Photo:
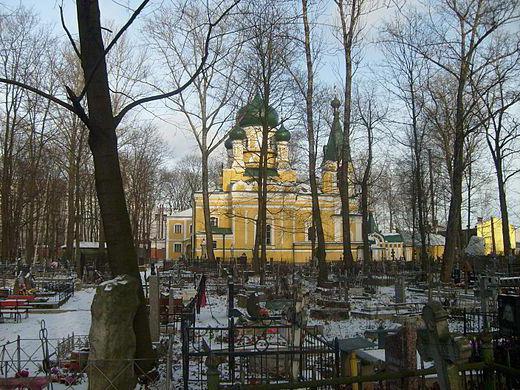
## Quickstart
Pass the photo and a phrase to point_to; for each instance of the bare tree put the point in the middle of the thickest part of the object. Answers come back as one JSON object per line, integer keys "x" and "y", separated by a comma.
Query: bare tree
{"x": 408, "y": 74}
{"x": 464, "y": 29}
{"x": 368, "y": 115}
{"x": 206, "y": 104}
{"x": 350, "y": 12}
{"x": 268, "y": 47}
{"x": 99, "y": 118}
{"x": 308, "y": 93}
{"x": 502, "y": 130}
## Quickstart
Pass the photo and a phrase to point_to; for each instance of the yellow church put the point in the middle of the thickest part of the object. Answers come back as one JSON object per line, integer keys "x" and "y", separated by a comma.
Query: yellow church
{"x": 234, "y": 208}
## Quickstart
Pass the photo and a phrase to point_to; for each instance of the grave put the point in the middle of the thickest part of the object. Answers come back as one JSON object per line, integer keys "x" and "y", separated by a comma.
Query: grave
{"x": 401, "y": 354}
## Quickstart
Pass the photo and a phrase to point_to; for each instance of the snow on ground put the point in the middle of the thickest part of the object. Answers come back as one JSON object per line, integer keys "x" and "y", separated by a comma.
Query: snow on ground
{"x": 72, "y": 317}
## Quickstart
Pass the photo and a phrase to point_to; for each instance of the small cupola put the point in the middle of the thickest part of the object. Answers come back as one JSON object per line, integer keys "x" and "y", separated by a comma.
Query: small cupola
{"x": 282, "y": 134}
{"x": 237, "y": 133}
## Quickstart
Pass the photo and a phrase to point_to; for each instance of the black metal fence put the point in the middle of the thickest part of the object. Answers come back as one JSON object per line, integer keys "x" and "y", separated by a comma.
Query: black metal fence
{"x": 254, "y": 354}
{"x": 472, "y": 321}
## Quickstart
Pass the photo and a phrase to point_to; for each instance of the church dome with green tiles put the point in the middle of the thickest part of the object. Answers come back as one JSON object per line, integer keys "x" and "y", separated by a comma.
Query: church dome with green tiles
{"x": 237, "y": 133}
{"x": 282, "y": 134}
{"x": 332, "y": 151}
{"x": 253, "y": 114}
{"x": 228, "y": 144}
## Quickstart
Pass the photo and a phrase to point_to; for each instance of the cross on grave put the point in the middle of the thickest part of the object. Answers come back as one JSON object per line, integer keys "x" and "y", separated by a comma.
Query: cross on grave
{"x": 400, "y": 290}
{"x": 297, "y": 316}
{"x": 488, "y": 293}
{"x": 436, "y": 343}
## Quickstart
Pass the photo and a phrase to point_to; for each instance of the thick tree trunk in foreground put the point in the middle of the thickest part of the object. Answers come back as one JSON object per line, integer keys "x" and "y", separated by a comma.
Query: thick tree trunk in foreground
{"x": 454, "y": 220}
{"x": 103, "y": 144}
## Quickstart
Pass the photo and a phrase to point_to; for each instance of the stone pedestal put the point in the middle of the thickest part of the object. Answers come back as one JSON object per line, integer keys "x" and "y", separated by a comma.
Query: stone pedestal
{"x": 153, "y": 297}
{"x": 112, "y": 337}
{"x": 400, "y": 290}
{"x": 401, "y": 354}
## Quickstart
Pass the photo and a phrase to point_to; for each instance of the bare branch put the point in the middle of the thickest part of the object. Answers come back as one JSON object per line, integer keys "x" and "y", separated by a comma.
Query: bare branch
{"x": 69, "y": 35}
{"x": 39, "y": 92}
{"x": 200, "y": 68}
{"x": 111, "y": 44}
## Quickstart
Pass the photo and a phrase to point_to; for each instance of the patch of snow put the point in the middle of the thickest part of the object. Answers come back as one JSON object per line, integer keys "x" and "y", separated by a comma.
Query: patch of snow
{"x": 72, "y": 317}
{"x": 118, "y": 280}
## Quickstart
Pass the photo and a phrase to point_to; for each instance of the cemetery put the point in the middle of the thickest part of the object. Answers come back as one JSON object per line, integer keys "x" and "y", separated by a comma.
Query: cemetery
{"x": 217, "y": 327}
{"x": 259, "y": 194}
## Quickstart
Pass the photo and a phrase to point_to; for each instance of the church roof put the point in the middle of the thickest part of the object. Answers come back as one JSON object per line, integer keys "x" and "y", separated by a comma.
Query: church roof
{"x": 332, "y": 151}
{"x": 282, "y": 134}
{"x": 252, "y": 114}
{"x": 237, "y": 133}
{"x": 183, "y": 213}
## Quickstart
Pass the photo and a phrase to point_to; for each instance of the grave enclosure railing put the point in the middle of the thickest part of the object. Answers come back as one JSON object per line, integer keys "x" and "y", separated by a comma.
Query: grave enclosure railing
{"x": 472, "y": 375}
{"x": 47, "y": 363}
{"x": 64, "y": 288}
{"x": 473, "y": 321}
{"x": 267, "y": 353}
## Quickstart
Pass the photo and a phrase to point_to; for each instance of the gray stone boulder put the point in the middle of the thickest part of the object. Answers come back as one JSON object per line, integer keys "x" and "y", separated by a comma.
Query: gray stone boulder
{"x": 112, "y": 337}
{"x": 476, "y": 246}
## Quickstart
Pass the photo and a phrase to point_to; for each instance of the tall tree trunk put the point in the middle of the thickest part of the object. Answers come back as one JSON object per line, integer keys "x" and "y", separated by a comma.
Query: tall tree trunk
{"x": 317, "y": 225}
{"x": 504, "y": 214}
{"x": 71, "y": 211}
{"x": 29, "y": 238}
{"x": 109, "y": 185}
{"x": 365, "y": 182}
{"x": 263, "y": 172}
{"x": 365, "y": 225}
{"x": 205, "y": 205}
{"x": 454, "y": 221}
{"x": 421, "y": 202}
{"x": 6, "y": 190}
{"x": 343, "y": 166}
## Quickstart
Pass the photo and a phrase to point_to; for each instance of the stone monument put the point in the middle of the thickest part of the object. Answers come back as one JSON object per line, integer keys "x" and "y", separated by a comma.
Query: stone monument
{"x": 112, "y": 337}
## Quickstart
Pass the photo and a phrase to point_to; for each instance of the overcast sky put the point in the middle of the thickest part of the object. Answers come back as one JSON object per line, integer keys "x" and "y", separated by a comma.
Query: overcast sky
{"x": 180, "y": 142}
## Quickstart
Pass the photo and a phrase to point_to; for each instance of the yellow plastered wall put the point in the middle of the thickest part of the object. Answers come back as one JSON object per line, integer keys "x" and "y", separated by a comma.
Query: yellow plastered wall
{"x": 289, "y": 215}
{"x": 491, "y": 230}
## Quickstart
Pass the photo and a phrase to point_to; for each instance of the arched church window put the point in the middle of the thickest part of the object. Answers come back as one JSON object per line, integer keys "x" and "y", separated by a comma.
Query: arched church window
{"x": 268, "y": 234}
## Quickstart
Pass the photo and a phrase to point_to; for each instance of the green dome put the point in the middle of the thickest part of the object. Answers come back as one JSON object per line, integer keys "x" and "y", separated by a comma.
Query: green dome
{"x": 253, "y": 114}
{"x": 282, "y": 134}
{"x": 229, "y": 143}
{"x": 237, "y": 133}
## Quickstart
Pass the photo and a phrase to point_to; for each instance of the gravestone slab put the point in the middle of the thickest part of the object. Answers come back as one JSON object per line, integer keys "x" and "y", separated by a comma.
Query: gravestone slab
{"x": 112, "y": 337}
{"x": 401, "y": 354}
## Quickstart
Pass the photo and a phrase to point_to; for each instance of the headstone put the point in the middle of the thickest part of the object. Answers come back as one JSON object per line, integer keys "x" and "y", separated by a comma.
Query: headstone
{"x": 153, "y": 296}
{"x": 436, "y": 343}
{"x": 509, "y": 314}
{"x": 400, "y": 290}
{"x": 112, "y": 337}
{"x": 401, "y": 354}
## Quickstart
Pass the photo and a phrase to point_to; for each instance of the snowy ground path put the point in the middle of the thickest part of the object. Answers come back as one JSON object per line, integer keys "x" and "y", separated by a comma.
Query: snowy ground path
{"x": 72, "y": 317}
